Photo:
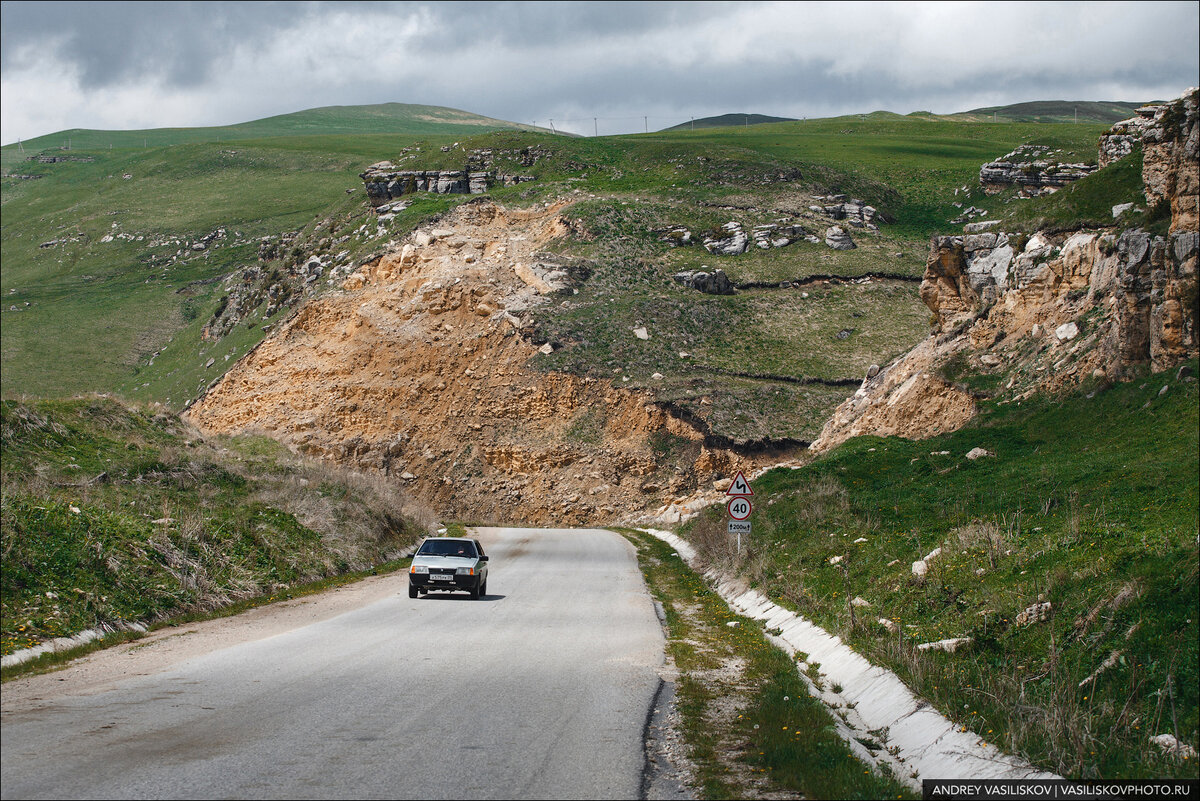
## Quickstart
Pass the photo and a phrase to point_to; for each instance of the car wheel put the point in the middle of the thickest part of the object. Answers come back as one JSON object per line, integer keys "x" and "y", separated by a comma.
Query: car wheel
{"x": 412, "y": 591}
{"x": 474, "y": 591}
{"x": 483, "y": 589}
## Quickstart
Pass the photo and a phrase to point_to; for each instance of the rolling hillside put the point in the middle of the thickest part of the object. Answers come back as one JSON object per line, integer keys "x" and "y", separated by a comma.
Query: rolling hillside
{"x": 726, "y": 120}
{"x": 404, "y": 119}
{"x": 1085, "y": 111}
{"x": 111, "y": 265}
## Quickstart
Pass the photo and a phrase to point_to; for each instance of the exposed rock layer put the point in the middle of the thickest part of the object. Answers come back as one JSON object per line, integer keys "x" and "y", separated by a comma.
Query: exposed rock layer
{"x": 1031, "y": 171}
{"x": 1050, "y": 311}
{"x": 384, "y": 182}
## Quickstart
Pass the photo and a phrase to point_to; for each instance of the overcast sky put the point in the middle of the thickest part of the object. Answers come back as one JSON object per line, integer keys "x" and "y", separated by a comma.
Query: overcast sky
{"x": 143, "y": 65}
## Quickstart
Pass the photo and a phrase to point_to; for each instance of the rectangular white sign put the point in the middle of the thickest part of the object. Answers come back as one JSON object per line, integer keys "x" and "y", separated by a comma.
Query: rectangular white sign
{"x": 739, "y": 526}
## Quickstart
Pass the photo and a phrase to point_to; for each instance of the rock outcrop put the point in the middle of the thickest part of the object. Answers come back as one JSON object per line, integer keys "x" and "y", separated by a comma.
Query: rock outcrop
{"x": 1169, "y": 160}
{"x": 1120, "y": 140}
{"x": 731, "y": 242}
{"x": 385, "y": 182}
{"x": 714, "y": 283}
{"x": 1031, "y": 171}
{"x": 1047, "y": 312}
{"x": 837, "y": 238}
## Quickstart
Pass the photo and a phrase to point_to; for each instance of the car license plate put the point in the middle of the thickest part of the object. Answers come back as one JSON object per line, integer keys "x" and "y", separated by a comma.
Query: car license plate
{"x": 436, "y": 577}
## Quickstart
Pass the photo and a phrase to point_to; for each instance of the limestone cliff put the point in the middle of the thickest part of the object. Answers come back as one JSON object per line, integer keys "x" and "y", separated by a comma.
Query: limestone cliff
{"x": 420, "y": 368}
{"x": 1046, "y": 312}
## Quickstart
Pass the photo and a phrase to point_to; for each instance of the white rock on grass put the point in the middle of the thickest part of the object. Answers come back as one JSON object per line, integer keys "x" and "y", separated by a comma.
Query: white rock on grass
{"x": 921, "y": 566}
{"x": 949, "y": 646}
{"x": 641, "y": 333}
{"x": 978, "y": 453}
{"x": 860, "y": 602}
{"x": 1034, "y": 613}
{"x": 1170, "y": 745}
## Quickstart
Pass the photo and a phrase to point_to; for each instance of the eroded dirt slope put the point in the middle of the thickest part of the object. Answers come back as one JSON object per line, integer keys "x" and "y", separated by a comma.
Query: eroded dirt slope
{"x": 418, "y": 368}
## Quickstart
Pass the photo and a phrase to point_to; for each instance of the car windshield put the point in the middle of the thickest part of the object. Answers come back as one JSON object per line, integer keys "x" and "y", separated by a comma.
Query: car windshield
{"x": 447, "y": 548}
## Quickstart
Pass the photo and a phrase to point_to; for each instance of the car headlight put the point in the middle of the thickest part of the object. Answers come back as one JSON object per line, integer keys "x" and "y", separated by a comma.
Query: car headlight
{"x": 465, "y": 571}
{"x": 419, "y": 569}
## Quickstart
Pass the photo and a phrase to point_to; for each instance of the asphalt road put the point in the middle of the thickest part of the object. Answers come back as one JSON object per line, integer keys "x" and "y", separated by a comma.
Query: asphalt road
{"x": 539, "y": 690}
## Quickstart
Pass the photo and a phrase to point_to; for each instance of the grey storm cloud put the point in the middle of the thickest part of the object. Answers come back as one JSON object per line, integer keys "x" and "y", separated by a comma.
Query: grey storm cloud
{"x": 115, "y": 42}
{"x": 130, "y": 65}
{"x": 181, "y": 42}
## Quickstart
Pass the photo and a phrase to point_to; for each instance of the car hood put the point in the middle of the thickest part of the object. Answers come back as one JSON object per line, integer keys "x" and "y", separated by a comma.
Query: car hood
{"x": 446, "y": 561}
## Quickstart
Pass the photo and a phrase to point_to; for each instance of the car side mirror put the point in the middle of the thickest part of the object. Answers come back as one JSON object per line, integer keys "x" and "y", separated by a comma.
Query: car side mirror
{"x": 483, "y": 557}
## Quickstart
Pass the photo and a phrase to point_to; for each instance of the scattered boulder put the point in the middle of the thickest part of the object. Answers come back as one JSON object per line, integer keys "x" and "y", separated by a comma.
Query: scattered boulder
{"x": 859, "y": 602}
{"x": 889, "y": 625}
{"x": 641, "y": 333}
{"x": 714, "y": 283}
{"x": 978, "y": 453}
{"x": 838, "y": 239}
{"x": 1035, "y": 613}
{"x": 921, "y": 566}
{"x": 1066, "y": 332}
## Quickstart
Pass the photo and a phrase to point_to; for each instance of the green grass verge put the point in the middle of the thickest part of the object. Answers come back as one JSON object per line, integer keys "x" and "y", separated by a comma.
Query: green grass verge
{"x": 1090, "y": 504}
{"x": 114, "y": 514}
{"x": 746, "y": 714}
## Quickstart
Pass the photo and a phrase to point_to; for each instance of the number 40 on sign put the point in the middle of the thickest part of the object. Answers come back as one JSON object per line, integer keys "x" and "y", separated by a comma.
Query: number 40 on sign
{"x": 740, "y": 508}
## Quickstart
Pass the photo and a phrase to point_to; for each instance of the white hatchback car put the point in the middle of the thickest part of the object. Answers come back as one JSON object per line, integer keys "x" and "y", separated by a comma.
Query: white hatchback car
{"x": 448, "y": 563}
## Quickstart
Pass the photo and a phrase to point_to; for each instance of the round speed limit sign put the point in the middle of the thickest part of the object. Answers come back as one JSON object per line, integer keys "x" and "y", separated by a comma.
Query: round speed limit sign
{"x": 740, "y": 509}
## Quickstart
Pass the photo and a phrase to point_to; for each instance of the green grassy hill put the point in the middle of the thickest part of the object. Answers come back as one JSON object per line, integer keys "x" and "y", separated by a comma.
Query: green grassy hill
{"x": 1084, "y": 111}
{"x": 726, "y": 120}
{"x": 403, "y": 119}
{"x": 128, "y": 314}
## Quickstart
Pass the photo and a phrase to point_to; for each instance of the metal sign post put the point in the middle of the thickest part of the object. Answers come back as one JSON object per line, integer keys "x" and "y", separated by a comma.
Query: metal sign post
{"x": 739, "y": 507}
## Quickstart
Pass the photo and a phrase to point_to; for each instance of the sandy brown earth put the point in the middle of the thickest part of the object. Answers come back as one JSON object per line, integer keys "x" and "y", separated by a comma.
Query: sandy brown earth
{"x": 420, "y": 368}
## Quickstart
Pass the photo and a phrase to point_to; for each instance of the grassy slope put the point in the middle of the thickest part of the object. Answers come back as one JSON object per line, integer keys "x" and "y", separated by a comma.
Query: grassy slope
{"x": 98, "y": 310}
{"x": 122, "y": 316}
{"x": 1087, "y": 203}
{"x": 1089, "y": 503}
{"x": 404, "y": 119}
{"x": 922, "y": 161}
{"x": 114, "y": 514}
{"x": 1103, "y": 112}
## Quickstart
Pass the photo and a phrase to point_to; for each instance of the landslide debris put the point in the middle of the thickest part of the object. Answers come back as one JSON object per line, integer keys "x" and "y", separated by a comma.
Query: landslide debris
{"x": 418, "y": 368}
